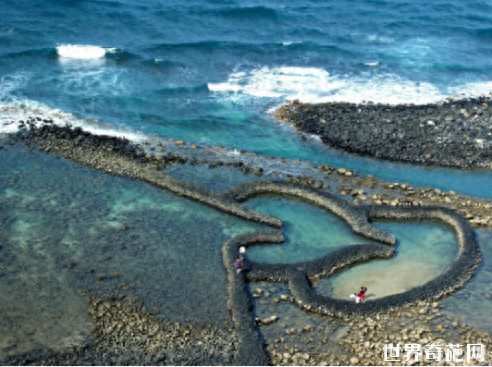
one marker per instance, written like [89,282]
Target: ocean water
[211,72]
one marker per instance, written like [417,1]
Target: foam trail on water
[290,43]
[316,85]
[9,83]
[13,112]
[82,52]
[372,63]
[379,38]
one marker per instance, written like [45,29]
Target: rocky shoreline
[76,144]
[119,157]
[124,333]
[452,133]
[358,340]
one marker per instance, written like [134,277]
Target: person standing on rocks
[239,263]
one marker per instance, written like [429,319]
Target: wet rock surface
[117,155]
[360,340]
[452,133]
[344,182]
[124,333]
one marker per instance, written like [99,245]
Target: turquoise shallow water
[70,232]
[209,72]
[310,232]
[424,250]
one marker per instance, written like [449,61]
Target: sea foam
[13,112]
[474,89]
[316,85]
[82,52]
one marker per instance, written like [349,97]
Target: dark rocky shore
[452,133]
[124,333]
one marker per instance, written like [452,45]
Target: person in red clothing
[359,296]
[362,294]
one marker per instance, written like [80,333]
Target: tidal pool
[423,251]
[310,232]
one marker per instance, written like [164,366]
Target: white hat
[242,250]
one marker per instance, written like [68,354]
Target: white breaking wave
[290,43]
[316,85]
[13,112]
[372,63]
[82,52]
[475,89]
[286,81]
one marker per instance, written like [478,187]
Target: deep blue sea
[210,72]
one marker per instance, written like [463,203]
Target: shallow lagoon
[424,250]
[310,232]
[69,232]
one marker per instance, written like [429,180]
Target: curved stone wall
[298,275]
[354,217]
[119,157]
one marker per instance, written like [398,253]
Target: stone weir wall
[354,217]
[251,349]
[120,157]
[298,275]
[452,133]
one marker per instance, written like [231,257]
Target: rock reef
[452,133]
[124,333]
[119,157]
[298,275]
